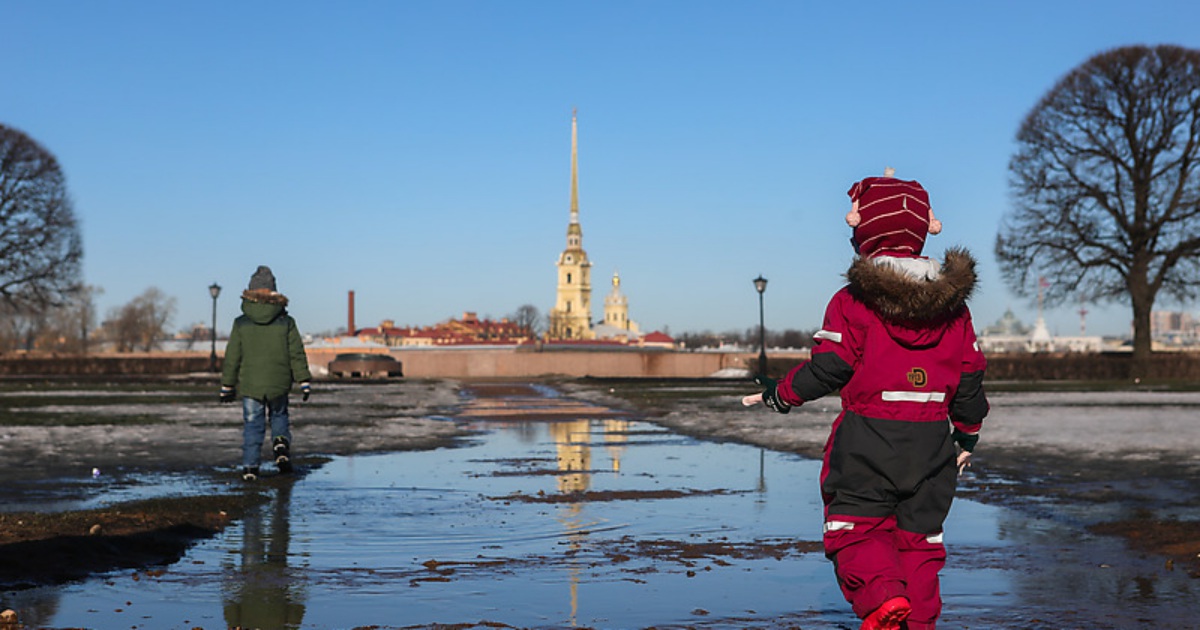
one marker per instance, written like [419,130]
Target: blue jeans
[255,414]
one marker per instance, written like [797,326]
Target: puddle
[108,487]
[600,522]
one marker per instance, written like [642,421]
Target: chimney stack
[350,324]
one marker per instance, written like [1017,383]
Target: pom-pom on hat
[262,279]
[890,216]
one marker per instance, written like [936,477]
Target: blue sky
[418,153]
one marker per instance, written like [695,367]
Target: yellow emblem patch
[917,377]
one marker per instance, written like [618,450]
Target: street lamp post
[214,290]
[760,284]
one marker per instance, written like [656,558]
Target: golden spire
[574,168]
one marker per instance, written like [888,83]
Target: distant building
[571,317]
[1008,324]
[1010,335]
[657,339]
[470,330]
[617,324]
[1174,329]
[570,321]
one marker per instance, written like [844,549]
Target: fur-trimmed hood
[914,295]
[262,306]
[265,296]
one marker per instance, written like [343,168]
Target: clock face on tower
[569,259]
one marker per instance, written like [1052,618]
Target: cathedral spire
[574,168]
[571,317]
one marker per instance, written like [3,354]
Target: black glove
[227,394]
[965,441]
[771,395]
[305,390]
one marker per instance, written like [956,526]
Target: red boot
[888,616]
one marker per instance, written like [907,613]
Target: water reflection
[368,528]
[573,457]
[616,435]
[761,486]
[259,590]
[37,607]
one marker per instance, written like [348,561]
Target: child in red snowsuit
[898,342]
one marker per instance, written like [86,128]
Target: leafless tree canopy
[1105,185]
[61,329]
[529,319]
[142,323]
[40,248]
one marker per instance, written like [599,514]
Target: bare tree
[792,338]
[1107,196]
[18,329]
[141,323]
[529,318]
[40,247]
[66,328]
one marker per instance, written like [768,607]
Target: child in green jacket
[264,356]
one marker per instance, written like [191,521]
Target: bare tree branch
[141,323]
[40,246]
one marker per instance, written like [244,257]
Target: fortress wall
[510,363]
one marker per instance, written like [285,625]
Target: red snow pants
[875,561]
[887,487]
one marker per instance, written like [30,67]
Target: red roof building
[468,331]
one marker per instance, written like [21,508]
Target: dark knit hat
[890,217]
[262,279]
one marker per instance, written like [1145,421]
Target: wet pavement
[560,513]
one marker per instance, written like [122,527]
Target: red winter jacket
[899,347]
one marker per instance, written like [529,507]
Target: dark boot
[283,456]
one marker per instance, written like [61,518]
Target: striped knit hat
[890,216]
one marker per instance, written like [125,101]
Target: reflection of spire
[616,433]
[572,442]
[574,455]
[574,466]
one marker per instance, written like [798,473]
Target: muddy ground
[64,431]
[1048,449]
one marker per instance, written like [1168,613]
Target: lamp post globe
[760,285]
[214,290]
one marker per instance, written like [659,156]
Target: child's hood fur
[264,296]
[914,302]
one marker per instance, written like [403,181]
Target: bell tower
[616,307]
[571,317]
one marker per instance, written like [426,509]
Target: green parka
[265,353]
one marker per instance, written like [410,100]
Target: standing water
[561,514]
